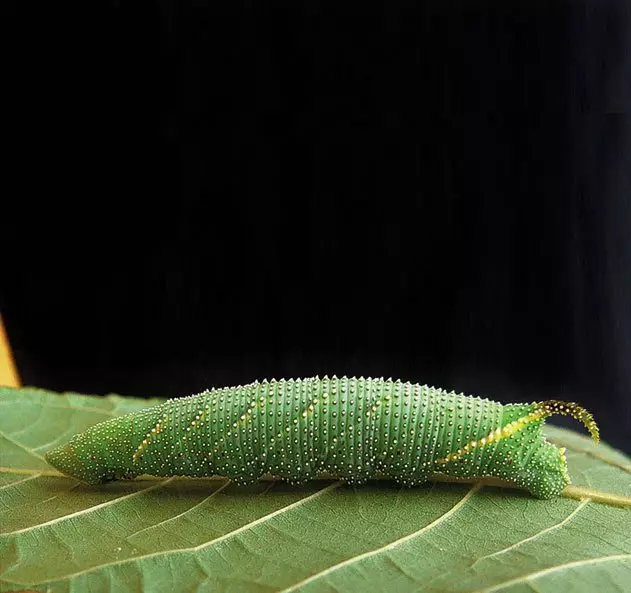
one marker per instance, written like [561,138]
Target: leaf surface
[210,535]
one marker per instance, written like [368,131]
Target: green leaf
[209,535]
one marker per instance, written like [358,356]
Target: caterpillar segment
[352,428]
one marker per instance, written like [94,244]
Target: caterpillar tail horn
[571,409]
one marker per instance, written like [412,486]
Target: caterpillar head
[93,456]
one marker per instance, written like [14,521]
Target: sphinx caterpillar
[352,428]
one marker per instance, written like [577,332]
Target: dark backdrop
[216,192]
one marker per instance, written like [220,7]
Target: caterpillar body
[352,428]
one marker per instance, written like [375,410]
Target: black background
[211,193]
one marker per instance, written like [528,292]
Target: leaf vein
[17,482]
[536,535]
[389,546]
[531,576]
[20,445]
[89,509]
[197,505]
[205,545]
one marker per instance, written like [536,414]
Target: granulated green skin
[353,428]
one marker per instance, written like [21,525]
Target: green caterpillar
[352,428]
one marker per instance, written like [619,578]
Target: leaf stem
[579,493]
[570,491]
